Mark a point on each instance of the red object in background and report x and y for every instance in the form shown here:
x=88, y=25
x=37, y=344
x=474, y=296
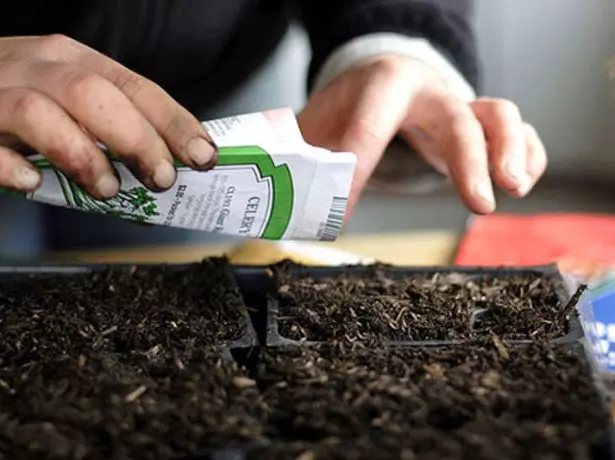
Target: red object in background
x=577, y=242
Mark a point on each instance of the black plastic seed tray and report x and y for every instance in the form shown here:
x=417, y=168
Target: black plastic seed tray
x=23, y=273
x=259, y=286
x=235, y=350
x=574, y=329
x=258, y=289
x=256, y=286
x=603, y=450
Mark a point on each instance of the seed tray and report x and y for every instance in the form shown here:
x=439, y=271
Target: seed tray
x=258, y=287
x=23, y=273
x=229, y=351
x=574, y=328
x=603, y=449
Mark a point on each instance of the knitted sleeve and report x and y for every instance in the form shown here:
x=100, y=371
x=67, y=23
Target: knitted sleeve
x=445, y=24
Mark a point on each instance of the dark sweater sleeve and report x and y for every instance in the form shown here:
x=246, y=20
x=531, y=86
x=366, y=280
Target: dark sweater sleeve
x=446, y=24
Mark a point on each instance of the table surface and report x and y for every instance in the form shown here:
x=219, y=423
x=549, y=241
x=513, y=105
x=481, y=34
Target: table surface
x=421, y=248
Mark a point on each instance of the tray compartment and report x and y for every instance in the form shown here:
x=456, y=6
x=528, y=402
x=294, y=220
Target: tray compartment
x=466, y=328
x=446, y=399
x=194, y=370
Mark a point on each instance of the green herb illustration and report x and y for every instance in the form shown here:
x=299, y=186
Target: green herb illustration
x=137, y=203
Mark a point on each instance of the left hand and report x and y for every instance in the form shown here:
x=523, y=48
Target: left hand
x=471, y=142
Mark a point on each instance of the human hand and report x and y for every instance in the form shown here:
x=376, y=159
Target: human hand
x=471, y=142
x=59, y=97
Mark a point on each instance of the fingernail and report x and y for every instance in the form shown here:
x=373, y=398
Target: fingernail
x=26, y=178
x=484, y=191
x=526, y=186
x=516, y=171
x=108, y=186
x=200, y=151
x=164, y=175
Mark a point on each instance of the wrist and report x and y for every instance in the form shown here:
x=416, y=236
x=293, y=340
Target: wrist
x=385, y=45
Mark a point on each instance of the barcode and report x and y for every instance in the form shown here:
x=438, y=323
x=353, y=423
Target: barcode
x=335, y=219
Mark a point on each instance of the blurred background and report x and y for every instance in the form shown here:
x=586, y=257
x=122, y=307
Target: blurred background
x=551, y=57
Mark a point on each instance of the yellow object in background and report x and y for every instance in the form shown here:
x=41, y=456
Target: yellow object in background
x=411, y=249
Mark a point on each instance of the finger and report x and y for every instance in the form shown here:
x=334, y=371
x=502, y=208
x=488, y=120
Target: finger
x=367, y=133
x=424, y=144
x=182, y=132
x=536, y=154
x=16, y=172
x=41, y=123
x=185, y=136
x=505, y=133
x=106, y=113
x=367, y=140
x=450, y=138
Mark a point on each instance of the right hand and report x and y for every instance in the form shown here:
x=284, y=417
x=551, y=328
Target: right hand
x=59, y=97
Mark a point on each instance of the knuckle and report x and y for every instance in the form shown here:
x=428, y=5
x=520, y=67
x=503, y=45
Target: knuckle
x=78, y=163
x=458, y=127
x=80, y=85
x=79, y=167
x=175, y=127
x=458, y=121
x=361, y=131
x=389, y=67
x=132, y=84
x=506, y=109
x=456, y=112
x=28, y=104
x=169, y=118
x=55, y=44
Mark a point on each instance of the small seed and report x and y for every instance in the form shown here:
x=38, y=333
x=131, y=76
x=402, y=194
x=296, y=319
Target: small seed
x=108, y=331
x=244, y=382
x=135, y=394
